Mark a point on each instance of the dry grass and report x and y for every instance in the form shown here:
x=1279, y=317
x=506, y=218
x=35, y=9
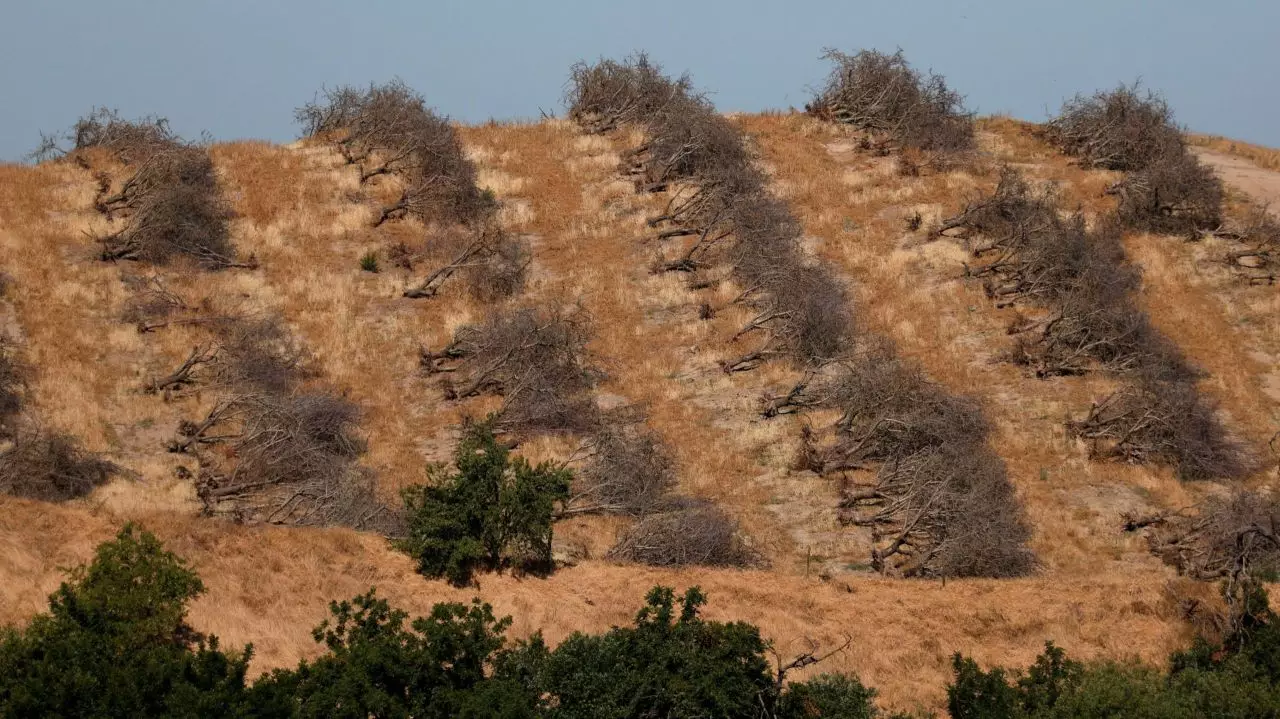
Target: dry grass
x=306, y=218
x=1260, y=155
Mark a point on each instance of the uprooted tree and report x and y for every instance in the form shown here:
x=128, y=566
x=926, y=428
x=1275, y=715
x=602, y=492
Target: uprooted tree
x=1164, y=422
x=387, y=130
x=536, y=359
x=1256, y=236
x=491, y=263
x=884, y=95
x=1076, y=292
x=915, y=468
x=161, y=191
x=1167, y=189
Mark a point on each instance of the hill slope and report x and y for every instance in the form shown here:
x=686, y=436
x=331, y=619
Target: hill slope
x=306, y=217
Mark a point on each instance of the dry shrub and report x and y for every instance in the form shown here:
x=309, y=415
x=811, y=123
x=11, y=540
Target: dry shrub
x=1121, y=129
x=12, y=387
x=173, y=207
x=1238, y=533
x=938, y=501
x=537, y=359
x=629, y=471
x=388, y=129
x=1257, y=234
x=609, y=93
x=492, y=263
x=295, y=464
x=695, y=534
x=1167, y=423
x=50, y=466
x=1174, y=194
x=883, y=94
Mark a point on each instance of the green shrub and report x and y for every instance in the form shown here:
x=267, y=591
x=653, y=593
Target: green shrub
x=115, y=643
x=494, y=511
x=369, y=262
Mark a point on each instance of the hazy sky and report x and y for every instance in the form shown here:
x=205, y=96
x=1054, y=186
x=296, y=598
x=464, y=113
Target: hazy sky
x=238, y=68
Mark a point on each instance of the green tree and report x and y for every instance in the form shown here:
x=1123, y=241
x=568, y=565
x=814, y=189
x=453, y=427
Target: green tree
x=828, y=695
x=380, y=665
x=493, y=511
x=115, y=642
x=672, y=663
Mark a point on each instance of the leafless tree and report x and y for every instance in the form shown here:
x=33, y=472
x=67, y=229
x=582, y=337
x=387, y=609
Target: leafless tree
x=536, y=359
x=1257, y=237
x=50, y=466
x=130, y=141
x=294, y=463
x=607, y=94
x=883, y=94
x=1167, y=422
x=1121, y=129
x=916, y=469
x=12, y=387
x=492, y=263
x=388, y=130
x=1174, y=194
x=696, y=534
x=1238, y=533
x=172, y=207
x=628, y=470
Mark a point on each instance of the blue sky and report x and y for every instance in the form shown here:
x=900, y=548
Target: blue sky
x=237, y=68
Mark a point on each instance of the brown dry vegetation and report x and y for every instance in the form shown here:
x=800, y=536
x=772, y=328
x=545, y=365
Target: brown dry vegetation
x=305, y=216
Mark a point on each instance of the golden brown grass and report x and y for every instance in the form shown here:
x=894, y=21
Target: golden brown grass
x=1260, y=155
x=305, y=217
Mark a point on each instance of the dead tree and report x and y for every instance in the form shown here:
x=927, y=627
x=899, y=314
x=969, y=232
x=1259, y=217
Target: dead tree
x=50, y=466
x=184, y=374
x=1235, y=533
x=537, y=360
x=389, y=130
x=1257, y=238
x=917, y=471
x=608, y=94
x=696, y=534
x=884, y=95
x=1173, y=194
x=628, y=470
x=1166, y=422
x=1121, y=129
x=493, y=263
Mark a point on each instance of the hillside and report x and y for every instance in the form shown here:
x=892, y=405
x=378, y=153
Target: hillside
x=303, y=213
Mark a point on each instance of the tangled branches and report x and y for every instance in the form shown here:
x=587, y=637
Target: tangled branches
x=37, y=463
x=603, y=96
x=1167, y=189
x=388, y=130
x=491, y=262
x=936, y=498
x=1257, y=235
x=884, y=95
x=695, y=534
x=1234, y=535
x=536, y=359
x=629, y=471
x=171, y=204
x=1082, y=287
x=1166, y=423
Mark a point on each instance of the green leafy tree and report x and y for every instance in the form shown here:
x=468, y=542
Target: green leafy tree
x=493, y=511
x=672, y=663
x=115, y=643
x=828, y=695
x=379, y=664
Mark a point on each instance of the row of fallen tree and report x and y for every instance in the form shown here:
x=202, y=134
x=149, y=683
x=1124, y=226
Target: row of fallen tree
x=388, y=133
x=913, y=458
x=1075, y=291
x=534, y=357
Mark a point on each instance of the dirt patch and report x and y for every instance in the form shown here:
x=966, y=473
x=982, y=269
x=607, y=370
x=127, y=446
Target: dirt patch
x=1261, y=184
